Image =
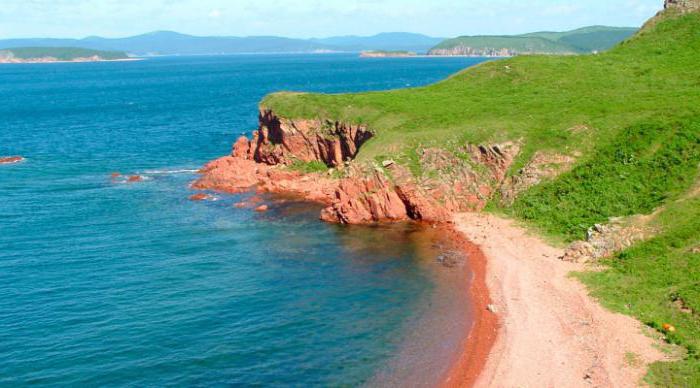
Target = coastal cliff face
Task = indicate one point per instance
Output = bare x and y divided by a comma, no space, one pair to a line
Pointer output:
462,180
467,51
280,141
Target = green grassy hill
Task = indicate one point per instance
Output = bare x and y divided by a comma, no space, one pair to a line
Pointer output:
59,53
631,119
582,40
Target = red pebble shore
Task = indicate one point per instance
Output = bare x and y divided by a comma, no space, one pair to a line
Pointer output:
480,340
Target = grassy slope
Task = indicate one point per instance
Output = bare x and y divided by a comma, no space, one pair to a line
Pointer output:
640,169
534,98
641,103
588,39
62,53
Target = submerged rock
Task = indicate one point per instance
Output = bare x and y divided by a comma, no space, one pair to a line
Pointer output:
11,159
200,197
135,178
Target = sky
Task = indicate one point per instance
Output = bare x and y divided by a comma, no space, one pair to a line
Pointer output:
311,18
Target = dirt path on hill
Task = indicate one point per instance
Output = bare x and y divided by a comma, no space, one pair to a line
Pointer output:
552,333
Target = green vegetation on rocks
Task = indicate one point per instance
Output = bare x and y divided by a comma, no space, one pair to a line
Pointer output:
629,117
308,167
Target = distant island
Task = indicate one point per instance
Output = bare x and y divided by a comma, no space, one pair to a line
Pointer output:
58,54
580,41
387,54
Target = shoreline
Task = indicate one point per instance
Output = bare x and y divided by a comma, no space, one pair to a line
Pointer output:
435,56
550,331
483,333
532,324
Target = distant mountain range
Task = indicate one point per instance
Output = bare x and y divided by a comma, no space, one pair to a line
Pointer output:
579,41
173,43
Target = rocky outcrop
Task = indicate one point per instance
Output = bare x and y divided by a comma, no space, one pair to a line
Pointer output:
542,167
466,180
134,179
682,5
369,197
200,197
234,174
280,141
394,194
603,241
366,193
11,159
466,51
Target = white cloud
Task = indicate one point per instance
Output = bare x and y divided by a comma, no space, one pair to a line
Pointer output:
215,14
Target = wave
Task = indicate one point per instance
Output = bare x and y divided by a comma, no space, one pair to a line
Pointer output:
169,172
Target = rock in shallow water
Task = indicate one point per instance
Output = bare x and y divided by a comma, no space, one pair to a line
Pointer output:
11,159
200,197
135,178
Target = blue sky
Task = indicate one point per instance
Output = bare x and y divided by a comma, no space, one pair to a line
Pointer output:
311,18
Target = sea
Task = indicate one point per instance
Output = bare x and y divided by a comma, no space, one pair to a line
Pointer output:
107,283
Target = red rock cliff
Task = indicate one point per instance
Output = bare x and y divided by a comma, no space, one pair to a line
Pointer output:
368,193
283,141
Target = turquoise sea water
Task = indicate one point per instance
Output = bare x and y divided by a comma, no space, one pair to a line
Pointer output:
110,284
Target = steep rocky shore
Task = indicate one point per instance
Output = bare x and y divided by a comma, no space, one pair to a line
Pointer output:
358,193
466,51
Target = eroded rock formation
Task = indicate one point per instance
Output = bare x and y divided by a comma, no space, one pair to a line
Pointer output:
284,141
379,196
542,167
235,174
366,193
683,5
603,241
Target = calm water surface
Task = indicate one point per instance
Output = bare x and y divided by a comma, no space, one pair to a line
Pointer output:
105,284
